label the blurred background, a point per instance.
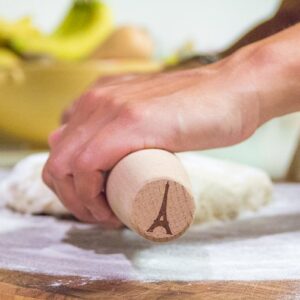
(211, 24)
(51, 50)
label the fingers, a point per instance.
(106, 148)
(68, 112)
(131, 82)
(47, 178)
(101, 152)
(106, 81)
(57, 173)
(89, 190)
(86, 204)
(65, 190)
(100, 92)
(79, 189)
(55, 136)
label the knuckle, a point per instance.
(56, 168)
(133, 113)
(89, 98)
(81, 163)
(94, 96)
(80, 131)
(45, 177)
(55, 136)
(51, 138)
(114, 103)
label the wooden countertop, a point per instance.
(20, 286)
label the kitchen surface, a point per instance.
(63, 259)
(221, 223)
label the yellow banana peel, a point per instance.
(85, 27)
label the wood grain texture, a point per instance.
(21, 286)
(158, 223)
(150, 192)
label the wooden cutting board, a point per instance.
(255, 257)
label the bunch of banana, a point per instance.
(87, 24)
(9, 31)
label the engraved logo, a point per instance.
(161, 220)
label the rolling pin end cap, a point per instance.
(163, 210)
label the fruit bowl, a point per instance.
(34, 95)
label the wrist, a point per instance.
(239, 73)
(273, 70)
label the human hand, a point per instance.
(185, 110)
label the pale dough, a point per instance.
(24, 191)
(222, 190)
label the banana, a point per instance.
(11, 30)
(85, 27)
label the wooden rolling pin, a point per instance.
(149, 191)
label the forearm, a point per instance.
(272, 67)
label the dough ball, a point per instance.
(224, 189)
(24, 191)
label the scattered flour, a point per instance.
(258, 246)
(8, 224)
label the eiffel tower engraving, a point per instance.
(161, 220)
